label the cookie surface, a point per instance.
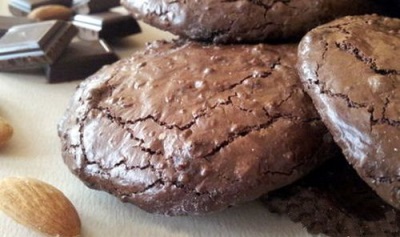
(334, 201)
(189, 128)
(243, 20)
(351, 69)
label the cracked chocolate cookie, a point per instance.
(190, 128)
(334, 201)
(243, 20)
(351, 69)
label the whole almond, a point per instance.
(51, 12)
(6, 131)
(39, 206)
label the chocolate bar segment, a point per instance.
(80, 60)
(6, 22)
(105, 25)
(94, 6)
(23, 7)
(33, 45)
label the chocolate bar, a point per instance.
(6, 22)
(106, 25)
(33, 45)
(93, 6)
(80, 60)
(23, 7)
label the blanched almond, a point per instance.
(51, 12)
(39, 206)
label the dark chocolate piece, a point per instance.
(6, 22)
(190, 128)
(94, 6)
(23, 7)
(334, 201)
(105, 25)
(32, 45)
(80, 60)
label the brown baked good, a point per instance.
(190, 128)
(242, 20)
(334, 201)
(351, 69)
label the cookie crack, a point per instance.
(370, 109)
(221, 34)
(292, 92)
(269, 6)
(255, 75)
(383, 179)
(265, 6)
(323, 56)
(202, 113)
(384, 119)
(150, 186)
(159, 181)
(232, 137)
(289, 173)
(122, 163)
(360, 56)
(121, 123)
(234, 85)
(341, 28)
(350, 103)
(96, 94)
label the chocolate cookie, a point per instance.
(243, 20)
(351, 69)
(334, 201)
(190, 128)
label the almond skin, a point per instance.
(51, 12)
(39, 206)
(6, 131)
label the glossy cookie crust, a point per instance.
(189, 128)
(351, 69)
(243, 20)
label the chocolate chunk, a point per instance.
(6, 22)
(105, 25)
(23, 7)
(80, 60)
(33, 45)
(333, 200)
(94, 6)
